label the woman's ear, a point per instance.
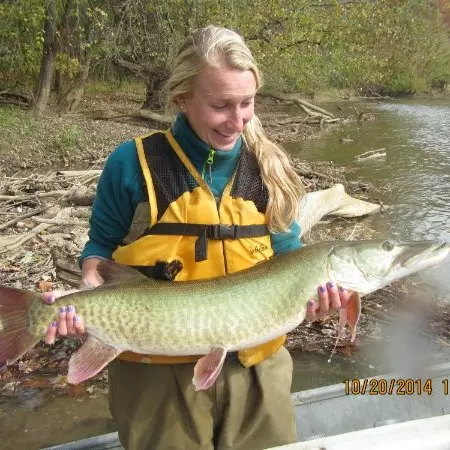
(180, 102)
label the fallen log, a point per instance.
(111, 114)
(307, 107)
(33, 196)
(11, 242)
(61, 222)
(380, 153)
(78, 173)
(11, 222)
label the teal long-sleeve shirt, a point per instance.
(121, 188)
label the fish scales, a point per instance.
(228, 313)
(179, 318)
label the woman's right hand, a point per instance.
(68, 322)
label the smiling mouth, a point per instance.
(225, 135)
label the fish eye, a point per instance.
(388, 246)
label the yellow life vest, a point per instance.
(227, 236)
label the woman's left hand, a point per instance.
(331, 299)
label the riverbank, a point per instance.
(32, 387)
(77, 140)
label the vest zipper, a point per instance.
(209, 162)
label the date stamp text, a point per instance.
(394, 386)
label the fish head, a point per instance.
(365, 266)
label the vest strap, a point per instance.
(205, 232)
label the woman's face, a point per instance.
(220, 105)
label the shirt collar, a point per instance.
(197, 150)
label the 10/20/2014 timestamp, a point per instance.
(394, 386)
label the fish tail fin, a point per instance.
(15, 337)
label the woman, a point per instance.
(215, 167)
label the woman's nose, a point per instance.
(237, 119)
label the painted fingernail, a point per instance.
(49, 298)
(70, 309)
(76, 318)
(311, 302)
(322, 288)
(62, 309)
(341, 289)
(54, 324)
(331, 284)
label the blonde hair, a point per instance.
(217, 47)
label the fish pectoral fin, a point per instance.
(90, 359)
(208, 368)
(350, 315)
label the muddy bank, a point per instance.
(76, 140)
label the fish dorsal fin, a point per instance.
(208, 368)
(90, 359)
(113, 272)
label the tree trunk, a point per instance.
(57, 81)
(155, 83)
(71, 99)
(48, 61)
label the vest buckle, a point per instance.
(225, 231)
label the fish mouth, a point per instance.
(432, 253)
(441, 246)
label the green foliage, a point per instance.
(21, 38)
(68, 139)
(16, 126)
(128, 86)
(300, 45)
(9, 115)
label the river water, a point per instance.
(416, 172)
(415, 175)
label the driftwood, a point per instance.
(60, 222)
(33, 196)
(77, 196)
(9, 243)
(308, 108)
(68, 271)
(14, 98)
(78, 173)
(57, 227)
(111, 114)
(12, 222)
(333, 201)
(380, 153)
(313, 174)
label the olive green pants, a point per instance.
(156, 407)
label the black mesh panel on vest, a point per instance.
(248, 183)
(171, 178)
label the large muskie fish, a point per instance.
(208, 317)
